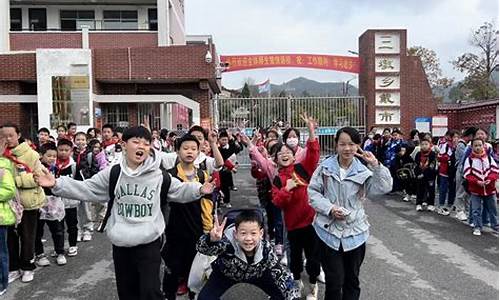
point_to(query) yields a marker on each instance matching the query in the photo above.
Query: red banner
(256, 61)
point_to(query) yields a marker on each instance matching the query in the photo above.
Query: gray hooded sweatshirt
(136, 217)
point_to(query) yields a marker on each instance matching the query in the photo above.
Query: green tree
(478, 67)
(432, 69)
(245, 92)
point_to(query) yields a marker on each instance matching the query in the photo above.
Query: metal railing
(332, 113)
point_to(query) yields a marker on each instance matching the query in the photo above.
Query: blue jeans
(4, 259)
(446, 188)
(490, 205)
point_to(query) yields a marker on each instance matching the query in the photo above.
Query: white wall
(60, 62)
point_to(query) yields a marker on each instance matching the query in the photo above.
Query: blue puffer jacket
(390, 152)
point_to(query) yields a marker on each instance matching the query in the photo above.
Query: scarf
(112, 141)
(8, 154)
(61, 164)
(424, 158)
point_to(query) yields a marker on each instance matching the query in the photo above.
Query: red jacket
(479, 168)
(295, 203)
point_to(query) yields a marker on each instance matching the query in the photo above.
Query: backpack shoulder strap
(201, 175)
(165, 186)
(203, 165)
(299, 169)
(113, 180)
(277, 182)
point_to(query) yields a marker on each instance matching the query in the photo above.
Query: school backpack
(113, 180)
(465, 183)
(299, 170)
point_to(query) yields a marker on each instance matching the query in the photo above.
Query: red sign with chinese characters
(256, 61)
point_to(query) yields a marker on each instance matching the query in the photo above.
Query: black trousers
(304, 240)
(57, 231)
(426, 191)
(178, 254)
(137, 271)
(71, 220)
(218, 284)
(341, 271)
(226, 183)
(23, 238)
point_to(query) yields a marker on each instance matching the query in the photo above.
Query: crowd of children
(461, 166)
(119, 180)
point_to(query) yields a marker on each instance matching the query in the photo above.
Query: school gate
(332, 113)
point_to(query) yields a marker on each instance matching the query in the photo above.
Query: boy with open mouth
(136, 223)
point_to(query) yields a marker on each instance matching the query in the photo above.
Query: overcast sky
(332, 27)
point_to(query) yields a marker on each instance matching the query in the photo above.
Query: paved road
(409, 256)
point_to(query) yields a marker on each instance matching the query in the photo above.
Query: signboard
(386, 64)
(387, 43)
(389, 116)
(423, 124)
(387, 99)
(440, 121)
(386, 82)
(326, 62)
(70, 100)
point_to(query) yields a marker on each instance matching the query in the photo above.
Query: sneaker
(227, 205)
(182, 289)
(42, 260)
(79, 237)
(413, 197)
(53, 254)
(321, 276)
(73, 251)
(487, 225)
(461, 216)
(87, 236)
(419, 207)
(28, 276)
(476, 231)
(61, 259)
(471, 225)
(406, 198)
(430, 208)
(3, 292)
(313, 292)
(14, 275)
(443, 211)
(300, 285)
(234, 189)
(279, 250)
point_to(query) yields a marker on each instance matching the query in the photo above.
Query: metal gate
(332, 113)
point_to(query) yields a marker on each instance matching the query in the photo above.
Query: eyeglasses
(285, 153)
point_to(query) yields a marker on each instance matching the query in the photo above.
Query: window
(120, 20)
(16, 19)
(153, 19)
(72, 20)
(116, 115)
(37, 19)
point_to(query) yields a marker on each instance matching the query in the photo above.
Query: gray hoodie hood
(229, 233)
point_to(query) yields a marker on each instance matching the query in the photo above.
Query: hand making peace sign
(367, 156)
(218, 229)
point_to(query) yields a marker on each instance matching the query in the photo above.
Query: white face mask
(292, 142)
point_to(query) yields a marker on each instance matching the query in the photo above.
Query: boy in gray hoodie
(136, 223)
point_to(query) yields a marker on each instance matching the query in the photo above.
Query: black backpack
(113, 180)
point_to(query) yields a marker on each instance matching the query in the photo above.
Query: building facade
(106, 61)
